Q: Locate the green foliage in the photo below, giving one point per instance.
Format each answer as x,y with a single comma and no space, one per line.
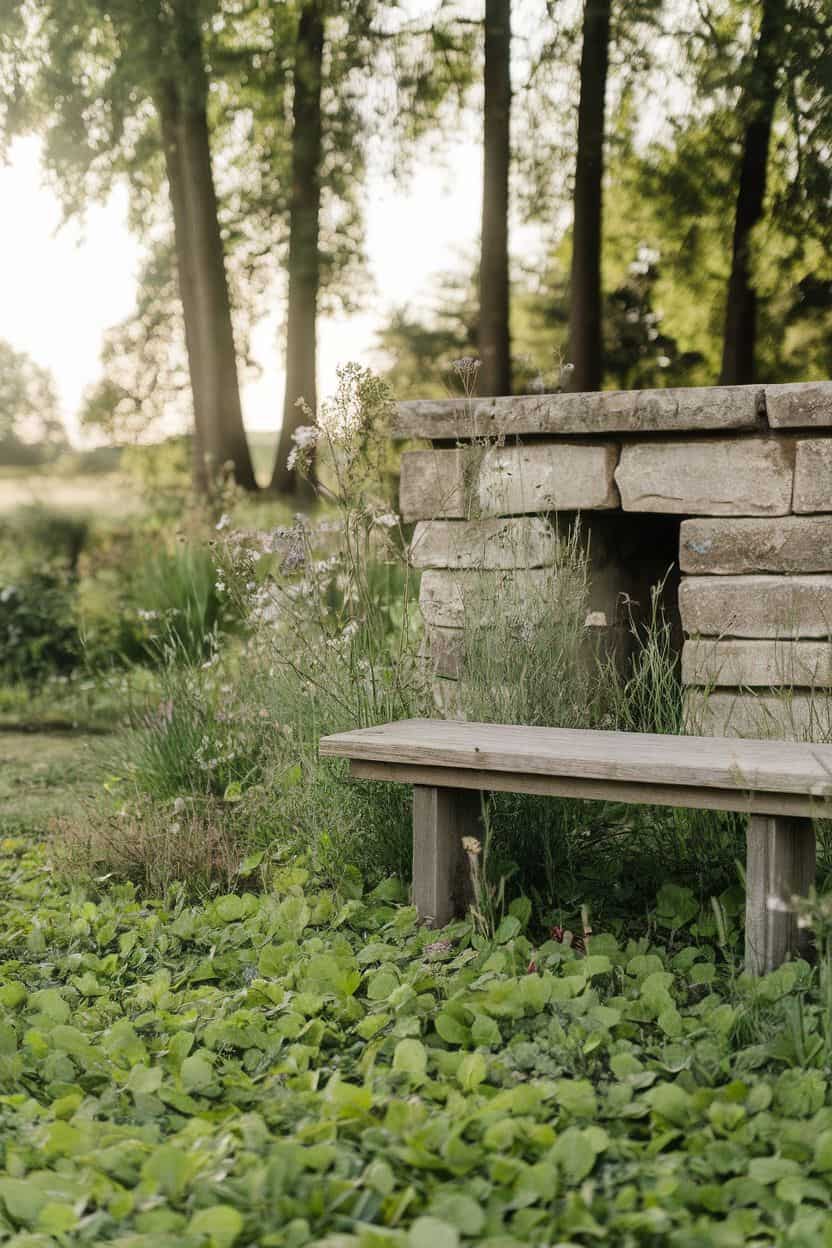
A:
176,592
304,1067
38,634
31,429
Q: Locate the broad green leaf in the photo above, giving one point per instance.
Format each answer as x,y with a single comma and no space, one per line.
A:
429,1232
221,1223
410,1057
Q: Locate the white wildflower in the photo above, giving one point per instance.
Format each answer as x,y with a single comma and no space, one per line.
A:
223,522
306,436
388,521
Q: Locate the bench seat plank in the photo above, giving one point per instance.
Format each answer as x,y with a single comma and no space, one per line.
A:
687,797
728,764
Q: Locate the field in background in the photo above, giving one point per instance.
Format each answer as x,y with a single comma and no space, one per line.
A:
104,481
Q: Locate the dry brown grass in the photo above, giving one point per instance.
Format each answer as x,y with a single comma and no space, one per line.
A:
151,847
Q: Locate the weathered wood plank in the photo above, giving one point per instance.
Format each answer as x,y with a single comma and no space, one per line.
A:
813,475
785,544
679,410
758,664
799,405
793,716
708,477
525,542
686,797
441,818
757,606
780,865
762,766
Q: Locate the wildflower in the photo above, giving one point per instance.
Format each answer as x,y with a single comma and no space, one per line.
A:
305,437
437,947
223,522
471,845
466,366
388,521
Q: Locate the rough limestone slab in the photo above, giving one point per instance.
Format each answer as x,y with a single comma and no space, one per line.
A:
784,544
788,716
553,476
813,475
527,542
693,409
708,477
445,649
469,482
799,405
756,606
446,598
758,664
432,485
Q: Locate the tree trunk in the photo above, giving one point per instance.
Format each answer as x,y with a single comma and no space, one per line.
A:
585,323
212,359
494,336
304,255
758,105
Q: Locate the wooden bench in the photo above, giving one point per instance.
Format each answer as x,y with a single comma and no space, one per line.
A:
780,785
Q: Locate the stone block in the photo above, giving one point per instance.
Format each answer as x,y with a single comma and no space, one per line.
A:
785,544
758,664
553,476
693,409
789,716
444,650
448,598
709,476
756,606
799,405
813,475
528,542
432,485
470,482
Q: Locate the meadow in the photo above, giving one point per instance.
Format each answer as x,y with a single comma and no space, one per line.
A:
221,1022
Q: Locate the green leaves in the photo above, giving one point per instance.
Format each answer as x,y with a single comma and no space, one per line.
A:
255,1070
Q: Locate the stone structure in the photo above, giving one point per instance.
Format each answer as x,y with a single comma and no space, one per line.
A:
725,492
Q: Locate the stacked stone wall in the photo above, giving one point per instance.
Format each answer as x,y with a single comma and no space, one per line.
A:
731,485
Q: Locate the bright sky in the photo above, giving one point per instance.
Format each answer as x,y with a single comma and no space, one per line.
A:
62,286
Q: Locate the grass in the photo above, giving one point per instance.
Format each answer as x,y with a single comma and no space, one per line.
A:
44,775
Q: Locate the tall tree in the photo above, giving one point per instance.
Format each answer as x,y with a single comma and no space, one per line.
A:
114,86
757,107
494,329
181,98
304,227
585,295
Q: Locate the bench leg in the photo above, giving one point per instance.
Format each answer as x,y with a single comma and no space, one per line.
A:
780,864
441,817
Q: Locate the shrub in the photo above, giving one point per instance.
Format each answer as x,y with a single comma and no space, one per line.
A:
38,635
40,538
